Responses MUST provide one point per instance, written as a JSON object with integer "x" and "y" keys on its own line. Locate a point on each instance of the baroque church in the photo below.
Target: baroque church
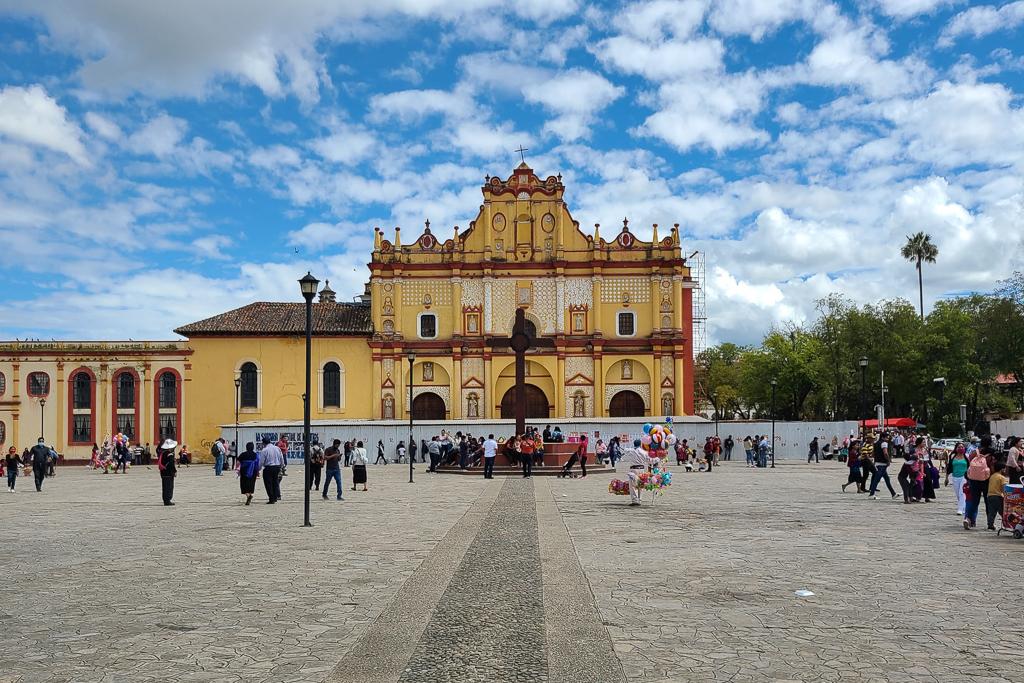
{"x": 616, "y": 314}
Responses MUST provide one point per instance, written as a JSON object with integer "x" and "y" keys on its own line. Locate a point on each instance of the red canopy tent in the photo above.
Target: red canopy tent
{"x": 905, "y": 422}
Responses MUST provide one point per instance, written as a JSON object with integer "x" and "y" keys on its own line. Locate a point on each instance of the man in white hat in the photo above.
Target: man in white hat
{"x": 637, "y": 460}
{"x": 168, "y": 470}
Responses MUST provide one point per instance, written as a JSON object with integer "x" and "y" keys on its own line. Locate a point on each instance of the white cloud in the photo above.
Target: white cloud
{"x": 31, "y": 115}
{"x": 855, "y": 58}
{"x": 103, "y": 126}
{"x": 661, "y": 60}
{"x": 757, "y": 18}
{"x": 903, "y": 9}
{"x": 160, "y": 136}
{"x": 409, "y": 106}
{"x": 983, "y": 20}
{"x": 662, "y": 18}
{"x": 575, "y": 95}
{"x": 347, "y": 145}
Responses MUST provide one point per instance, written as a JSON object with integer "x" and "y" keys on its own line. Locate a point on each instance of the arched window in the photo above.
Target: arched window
{"x": 249, "y": 391}
{"x": 125, "y": 390}
{"x": 168, "y": 384}
{"x": 82, "y": 391}
{"x": 38, "y": 384}
{"x": 332, "y": 385}
{"x": 81, "y": 417}
{"x": 3, "y": 384}
{"x": 3, "y": 432}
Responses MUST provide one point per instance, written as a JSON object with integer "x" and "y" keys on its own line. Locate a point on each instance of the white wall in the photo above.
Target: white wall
{"x": 1007, "y": 427}
{"x": 791, "y": 438}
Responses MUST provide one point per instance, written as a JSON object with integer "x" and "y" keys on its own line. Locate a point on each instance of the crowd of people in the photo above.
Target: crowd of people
{"x": 977, "y": 471}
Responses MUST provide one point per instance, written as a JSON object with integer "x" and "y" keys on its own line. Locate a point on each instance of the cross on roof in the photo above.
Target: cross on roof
{"x": 625, "y": 224}
{"x": 427, "y": 223}
{"x": 521, "y": 150}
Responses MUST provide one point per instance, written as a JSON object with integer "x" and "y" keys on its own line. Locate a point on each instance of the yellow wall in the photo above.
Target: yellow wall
{"x": 281, "y": 362}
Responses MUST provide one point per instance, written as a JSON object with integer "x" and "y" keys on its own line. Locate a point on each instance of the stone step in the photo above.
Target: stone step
{"x": 506, "y": 471}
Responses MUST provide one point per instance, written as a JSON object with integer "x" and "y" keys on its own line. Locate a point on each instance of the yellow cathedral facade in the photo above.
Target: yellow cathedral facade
{"x": 617, "y": 313}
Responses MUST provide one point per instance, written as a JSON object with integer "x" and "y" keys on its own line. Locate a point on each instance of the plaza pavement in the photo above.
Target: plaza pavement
{"x": 461, "y": 579}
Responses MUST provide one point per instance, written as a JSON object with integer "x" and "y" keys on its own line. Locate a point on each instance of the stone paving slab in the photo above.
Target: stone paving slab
{"x": 113, "y": 586}
{"x": 701, "y": 585}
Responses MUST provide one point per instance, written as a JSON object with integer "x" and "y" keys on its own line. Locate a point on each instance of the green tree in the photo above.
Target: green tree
{"x": 919, "y": 249}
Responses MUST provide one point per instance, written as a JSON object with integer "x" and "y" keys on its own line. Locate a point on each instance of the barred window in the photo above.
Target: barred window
{"x": 250, "y": 392}
{"x": 332, "y": 385}
{"x": 168, "y": 384}
{"x": 38, "y": 384}
{"x": 125, "y": 391}
{"x": 81, "y": 388}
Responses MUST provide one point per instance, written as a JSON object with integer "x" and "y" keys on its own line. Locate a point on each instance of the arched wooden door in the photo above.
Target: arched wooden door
{"x": 428, "y": 406}
{"x": 626, "y": 404}
{"x": 536, "y": 404}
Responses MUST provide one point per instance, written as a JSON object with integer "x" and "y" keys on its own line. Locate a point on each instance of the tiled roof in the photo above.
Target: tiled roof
{"x": 270, "y": 318}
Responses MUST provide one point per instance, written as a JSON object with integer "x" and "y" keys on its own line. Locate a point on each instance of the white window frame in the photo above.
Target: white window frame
{"x": 259, "y": 385}
{"x": 419, "y": 326}
{"x": 618, "y": 330}
{"x": 341, "y": 386}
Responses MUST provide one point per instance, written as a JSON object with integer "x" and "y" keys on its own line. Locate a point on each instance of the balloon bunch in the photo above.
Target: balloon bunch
{"x": 654, "y": 481}
{"x": 657, "y": 439}
{"x": 121, "y": 440}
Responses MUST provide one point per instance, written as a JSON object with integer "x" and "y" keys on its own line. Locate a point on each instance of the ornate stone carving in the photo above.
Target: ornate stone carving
{"x": 472, "y": 292}
{"x": 417, "y": 292}
{"x": 503, "y": 306}
{"x": 545, "y": 305}
{"x": 580, "y": 402}
{"x": 578, "y": 291}
{"x": 633, "y": 289}
{"x": 472, "y": 367}
{"x": 667, "y": 368}
{"x": 644, "y": 390}
{"x": 443, "y": 392}
{"x": 579, "y": 365}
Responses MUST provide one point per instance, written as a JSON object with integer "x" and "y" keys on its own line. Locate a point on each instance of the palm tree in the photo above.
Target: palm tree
{"x": 919, "y": 249}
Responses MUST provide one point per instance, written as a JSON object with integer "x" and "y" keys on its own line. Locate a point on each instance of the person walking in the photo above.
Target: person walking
{"x": 728, "y": 445}
{"x": 168, "y": 468}
{"x": 12, "y": 464}
{"x": 40, "y": 458}
{"x": 979, "y": 470}
{"x": 271, "y": 462}
{"x": 579, "y": 455}
{"x": 853, "y": 474}
{"x": 490, "y": 452}
{"x": 434, "y": 449}
{"x": 232, "y": 455}
{"x": 882, "y": 461}
{"x": 219, "y": 452}
{"x": 316, "y": 464}
{"x": 123, "y": 456}
{"x": 359, "y": 462}
{"x": 956, "y": 469}
{"x": 994, "y": 501}
{"x": 812, "y": 450}
{"x": 1014, "y": 458}
{"x": 380, "y": 453}
{"x": 637, "y": 460}
{"x": 526, "y": 448}
{"x": 248, "y": 470}
{"x": 332, "y": 466}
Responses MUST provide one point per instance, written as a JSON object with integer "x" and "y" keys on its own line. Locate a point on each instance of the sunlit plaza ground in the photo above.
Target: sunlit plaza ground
{"x": 461, "y": 579}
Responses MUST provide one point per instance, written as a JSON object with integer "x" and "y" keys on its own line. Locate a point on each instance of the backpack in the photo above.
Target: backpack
{"x": 978, "y": 469}
{"x": 214, "y": 451}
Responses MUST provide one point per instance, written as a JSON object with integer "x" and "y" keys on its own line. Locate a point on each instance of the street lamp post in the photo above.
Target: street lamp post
{"x": 775, "y": 383}
{"x": 42, "y": 419}
{"x": 411, "y": 356}
{"x": 308, "y": 284}
{"x": 863, "y": 391}
{"x": 941, "y": 382}
{"x": 238, "y": 391}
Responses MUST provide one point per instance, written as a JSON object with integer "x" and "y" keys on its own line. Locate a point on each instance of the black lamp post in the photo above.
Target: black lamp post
{"x": 238, "y": 391}
{"x": 308, "y": 284}
{"x": 411, "y": 356}
{"x": 863, "y": 389}
{"x": 775, "y": 383}
{"x": 42, "y": 419}
{"x": 941, "y": 382}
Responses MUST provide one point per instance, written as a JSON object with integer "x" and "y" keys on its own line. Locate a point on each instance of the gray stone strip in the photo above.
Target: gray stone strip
{"x": 579, "y": 646}
{"x": 489, "y": 624}
{"x": 380, "y": 655}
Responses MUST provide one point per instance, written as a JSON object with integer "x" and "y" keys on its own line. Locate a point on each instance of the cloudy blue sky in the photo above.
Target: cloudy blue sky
{"x": 161, "y": 162}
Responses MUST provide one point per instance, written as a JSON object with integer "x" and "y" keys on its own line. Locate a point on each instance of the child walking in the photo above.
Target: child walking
{"x": 994, "y": 502}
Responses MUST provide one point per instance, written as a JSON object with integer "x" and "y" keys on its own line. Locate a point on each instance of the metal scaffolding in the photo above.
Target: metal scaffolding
{"x": 700, "y": 316}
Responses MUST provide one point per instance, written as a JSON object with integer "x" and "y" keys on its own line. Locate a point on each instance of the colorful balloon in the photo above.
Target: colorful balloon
{"x": 647, "y": 427}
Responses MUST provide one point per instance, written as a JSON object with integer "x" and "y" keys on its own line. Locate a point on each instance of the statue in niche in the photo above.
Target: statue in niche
{"x": 668, "y": 405}
{"x": 472, "y": 324}
{"x": 389, "y": 308}
{"x": 627, "y": 369}
{"x": 579, "y": 405}
{"x": 389, "y": 407}
{"x": 389, "y": 327}
{"x": 428, "y": 372}
{"x": 472, "y": 406}
{"x": 666, "y": 304}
